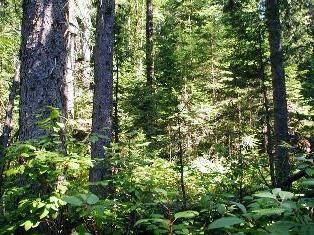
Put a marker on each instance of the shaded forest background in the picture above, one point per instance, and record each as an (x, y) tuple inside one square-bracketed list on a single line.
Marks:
[(186, 115)]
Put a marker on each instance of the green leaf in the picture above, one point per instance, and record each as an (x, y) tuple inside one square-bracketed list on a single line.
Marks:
[(309, 182), (141, 221), (72, 200), (44, 214), (241, 206), (221, 208), (186, 214), (281, 227), (265, 195), (225, 222), (284, 195), (309, 171), (92, 199), (269, 211), (164, 222), (27, 225), (54, 114), (276, 191)]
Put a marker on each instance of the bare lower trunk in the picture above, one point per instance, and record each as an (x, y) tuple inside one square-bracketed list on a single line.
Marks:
[(267, 139), (180, 155), (282, 166), (103, 92), (43, 63), (149, 67), (85, 10), (149, 44), (116, 104), (68, 86), (7, 127)]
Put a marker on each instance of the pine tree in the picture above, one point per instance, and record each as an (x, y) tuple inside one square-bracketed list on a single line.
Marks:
[(103, 91), (282, 166), (43, 63)]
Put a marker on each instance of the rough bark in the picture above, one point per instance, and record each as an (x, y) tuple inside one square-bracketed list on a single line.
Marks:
[(43, 63), (103, 91), (282, 166), (7, 127), (68, 86), (85, 14)]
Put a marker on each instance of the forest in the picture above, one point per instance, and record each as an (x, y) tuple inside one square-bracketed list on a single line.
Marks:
[(121, 117)]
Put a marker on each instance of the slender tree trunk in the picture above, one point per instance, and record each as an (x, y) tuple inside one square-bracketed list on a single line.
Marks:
[(149, 67), (149, 45), (282, 166), (7, 127), (180, 155), (103, 91), (268, 139), (43, 63), (85, 10), (116, 104), (68, 86)]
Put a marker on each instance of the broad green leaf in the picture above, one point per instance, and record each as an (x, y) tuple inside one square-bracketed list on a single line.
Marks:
[(141, 221), (289, 205), (44, 214), (164, 222), (280, 227), (269, 211), (27, 225), (92, 199), (221, 208), (309, 171), (72, 200), (276, 191), (225, 222), (241, 206), (284, 195), (186, 214), (309, 182), (265, 194)]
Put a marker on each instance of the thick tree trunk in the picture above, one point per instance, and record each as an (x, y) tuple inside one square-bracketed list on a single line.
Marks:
[(282, 166), (103, 91), (43, 63)]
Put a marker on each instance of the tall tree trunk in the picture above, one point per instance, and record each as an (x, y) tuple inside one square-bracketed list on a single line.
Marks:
[(149, 66), (268, 139), (103, 91), (116, 104), (68, 86), (282, 166), (7, 127), (149, 44), (43, 63), (85, 10)]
